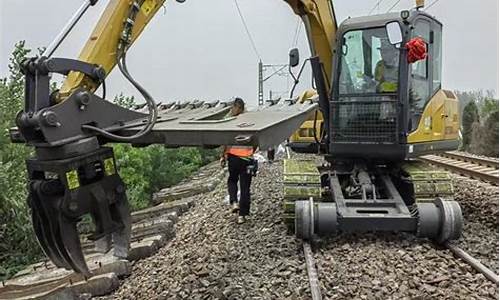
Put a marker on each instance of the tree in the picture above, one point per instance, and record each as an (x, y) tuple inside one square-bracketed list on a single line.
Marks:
[(125, 101), (18, 245), (488, 107), (470, 116)]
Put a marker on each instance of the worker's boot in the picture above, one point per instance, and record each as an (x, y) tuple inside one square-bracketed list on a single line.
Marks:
[(235, 207)]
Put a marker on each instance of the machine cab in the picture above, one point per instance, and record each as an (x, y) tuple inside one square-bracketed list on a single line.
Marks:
[(380, 99)]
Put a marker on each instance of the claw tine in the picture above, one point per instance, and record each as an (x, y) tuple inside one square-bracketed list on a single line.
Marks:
[(60, 235), (44, 228), (71, 245), (121, 239), (54, 232), (42, 240), (103, 244)]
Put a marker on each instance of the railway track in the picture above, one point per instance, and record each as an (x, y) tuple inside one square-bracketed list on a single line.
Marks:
[(485, 169), (476, 264), (184, 268)]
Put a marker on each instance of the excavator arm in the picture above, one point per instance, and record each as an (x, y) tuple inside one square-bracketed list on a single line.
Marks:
[(72, 174)]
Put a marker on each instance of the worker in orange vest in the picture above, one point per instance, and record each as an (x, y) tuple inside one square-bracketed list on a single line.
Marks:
[(240, 160)]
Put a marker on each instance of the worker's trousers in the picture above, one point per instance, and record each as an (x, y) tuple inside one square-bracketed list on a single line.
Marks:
[(238, 172)]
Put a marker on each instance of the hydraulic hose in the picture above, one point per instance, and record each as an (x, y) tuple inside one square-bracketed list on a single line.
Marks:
[(123, 46), (152, 108)]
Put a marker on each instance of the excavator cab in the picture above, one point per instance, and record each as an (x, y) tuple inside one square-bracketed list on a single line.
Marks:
[(382, 99)]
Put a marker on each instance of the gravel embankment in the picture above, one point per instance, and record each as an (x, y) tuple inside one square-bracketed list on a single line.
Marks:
[(214, 258), (392, 266), (479, 202)]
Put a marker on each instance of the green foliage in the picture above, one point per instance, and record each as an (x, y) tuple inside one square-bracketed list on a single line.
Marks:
[(470, 116), (489, 107), (124, 101), (477, 96), (148, 170), (18, 245), (479, 122), (484, 139)]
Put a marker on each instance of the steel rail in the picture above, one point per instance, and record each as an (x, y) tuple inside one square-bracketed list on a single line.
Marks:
[(476, 264), (483, 161), (451, 165), (312, 274)]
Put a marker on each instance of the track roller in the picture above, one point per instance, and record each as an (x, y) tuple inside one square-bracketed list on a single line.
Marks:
[(315, 218), (440, 220)]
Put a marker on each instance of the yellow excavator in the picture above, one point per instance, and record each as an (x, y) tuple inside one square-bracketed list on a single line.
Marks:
[(377, 102)]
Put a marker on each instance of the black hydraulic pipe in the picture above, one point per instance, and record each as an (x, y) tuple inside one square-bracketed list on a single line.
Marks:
[(324, 103)]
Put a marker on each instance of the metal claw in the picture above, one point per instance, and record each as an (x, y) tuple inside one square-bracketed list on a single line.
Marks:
[(44, 229), (71, 245), (51, 198), (121, 237), (43, 239), (81, 187)]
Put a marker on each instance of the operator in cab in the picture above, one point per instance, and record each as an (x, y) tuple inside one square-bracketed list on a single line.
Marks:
[(240, 165), (386, 70)]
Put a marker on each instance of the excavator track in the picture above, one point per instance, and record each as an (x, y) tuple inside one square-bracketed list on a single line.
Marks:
[(301, 180), (428, 184)]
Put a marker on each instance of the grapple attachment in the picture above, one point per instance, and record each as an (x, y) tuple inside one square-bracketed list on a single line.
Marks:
[(63, 191)]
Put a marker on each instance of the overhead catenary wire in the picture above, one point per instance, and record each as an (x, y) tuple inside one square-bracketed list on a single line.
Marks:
[(377, 4), (394, 5), (297, 32), (432, 4), (247, 30)]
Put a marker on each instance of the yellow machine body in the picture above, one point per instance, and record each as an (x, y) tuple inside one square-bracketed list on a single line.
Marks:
[(439, 121)]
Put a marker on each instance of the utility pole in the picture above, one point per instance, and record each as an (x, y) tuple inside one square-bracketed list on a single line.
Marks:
[(261, 84), (262, 69)]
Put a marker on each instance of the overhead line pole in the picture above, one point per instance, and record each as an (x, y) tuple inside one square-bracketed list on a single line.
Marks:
[(262, 69)]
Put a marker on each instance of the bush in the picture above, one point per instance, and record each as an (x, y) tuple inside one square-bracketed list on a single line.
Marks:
[(147, 170)]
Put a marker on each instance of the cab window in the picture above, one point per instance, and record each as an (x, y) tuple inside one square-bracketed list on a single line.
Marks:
[(420, 84), (437, 58), (369, 63)]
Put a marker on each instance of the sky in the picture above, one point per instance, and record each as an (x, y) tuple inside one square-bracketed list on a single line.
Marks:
[(199, 49)]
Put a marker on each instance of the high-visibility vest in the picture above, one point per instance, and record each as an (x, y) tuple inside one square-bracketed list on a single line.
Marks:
[(387, 76), (240, 151)]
